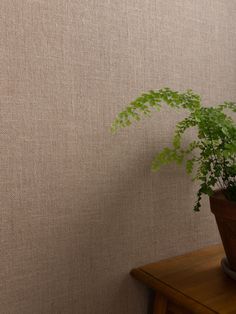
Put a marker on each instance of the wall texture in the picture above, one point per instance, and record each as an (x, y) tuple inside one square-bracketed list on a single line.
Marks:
[(80, 207)]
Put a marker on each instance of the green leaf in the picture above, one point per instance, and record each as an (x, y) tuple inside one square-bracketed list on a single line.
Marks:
[(212, 155)]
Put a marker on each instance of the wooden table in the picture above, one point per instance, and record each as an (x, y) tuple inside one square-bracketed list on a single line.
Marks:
[(191, 283)]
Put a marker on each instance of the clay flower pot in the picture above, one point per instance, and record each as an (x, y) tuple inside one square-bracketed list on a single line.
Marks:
[(225, 214)]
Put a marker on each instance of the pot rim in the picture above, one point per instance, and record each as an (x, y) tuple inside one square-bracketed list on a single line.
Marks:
[(221, 206), (219, 195)]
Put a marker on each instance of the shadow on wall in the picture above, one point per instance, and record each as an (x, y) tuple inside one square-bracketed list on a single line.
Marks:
[(81, 256), (121, 235)]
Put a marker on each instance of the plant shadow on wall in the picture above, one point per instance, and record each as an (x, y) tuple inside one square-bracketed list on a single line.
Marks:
[(210, 158)]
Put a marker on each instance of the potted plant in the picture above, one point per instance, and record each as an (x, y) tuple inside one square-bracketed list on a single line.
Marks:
[(210, 158)]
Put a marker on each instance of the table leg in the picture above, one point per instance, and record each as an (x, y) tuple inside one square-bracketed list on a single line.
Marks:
[(160, 304)]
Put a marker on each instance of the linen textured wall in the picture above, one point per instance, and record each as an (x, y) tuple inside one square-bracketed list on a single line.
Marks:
[(80, 207)]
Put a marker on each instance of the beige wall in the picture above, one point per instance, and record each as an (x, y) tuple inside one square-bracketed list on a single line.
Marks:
[(80, 207)]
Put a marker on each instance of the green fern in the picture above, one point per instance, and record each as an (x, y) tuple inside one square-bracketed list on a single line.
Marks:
[(211, 158)]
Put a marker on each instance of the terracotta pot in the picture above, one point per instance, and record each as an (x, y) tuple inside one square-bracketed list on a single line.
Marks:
[(225, 214)]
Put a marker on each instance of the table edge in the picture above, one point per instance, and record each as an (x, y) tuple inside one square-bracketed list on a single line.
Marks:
[(170, 292)]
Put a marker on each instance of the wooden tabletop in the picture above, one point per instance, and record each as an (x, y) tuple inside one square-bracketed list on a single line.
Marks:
[(194, 280)]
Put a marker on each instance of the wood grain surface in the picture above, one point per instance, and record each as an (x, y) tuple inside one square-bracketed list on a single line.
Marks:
[(194, 281)]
